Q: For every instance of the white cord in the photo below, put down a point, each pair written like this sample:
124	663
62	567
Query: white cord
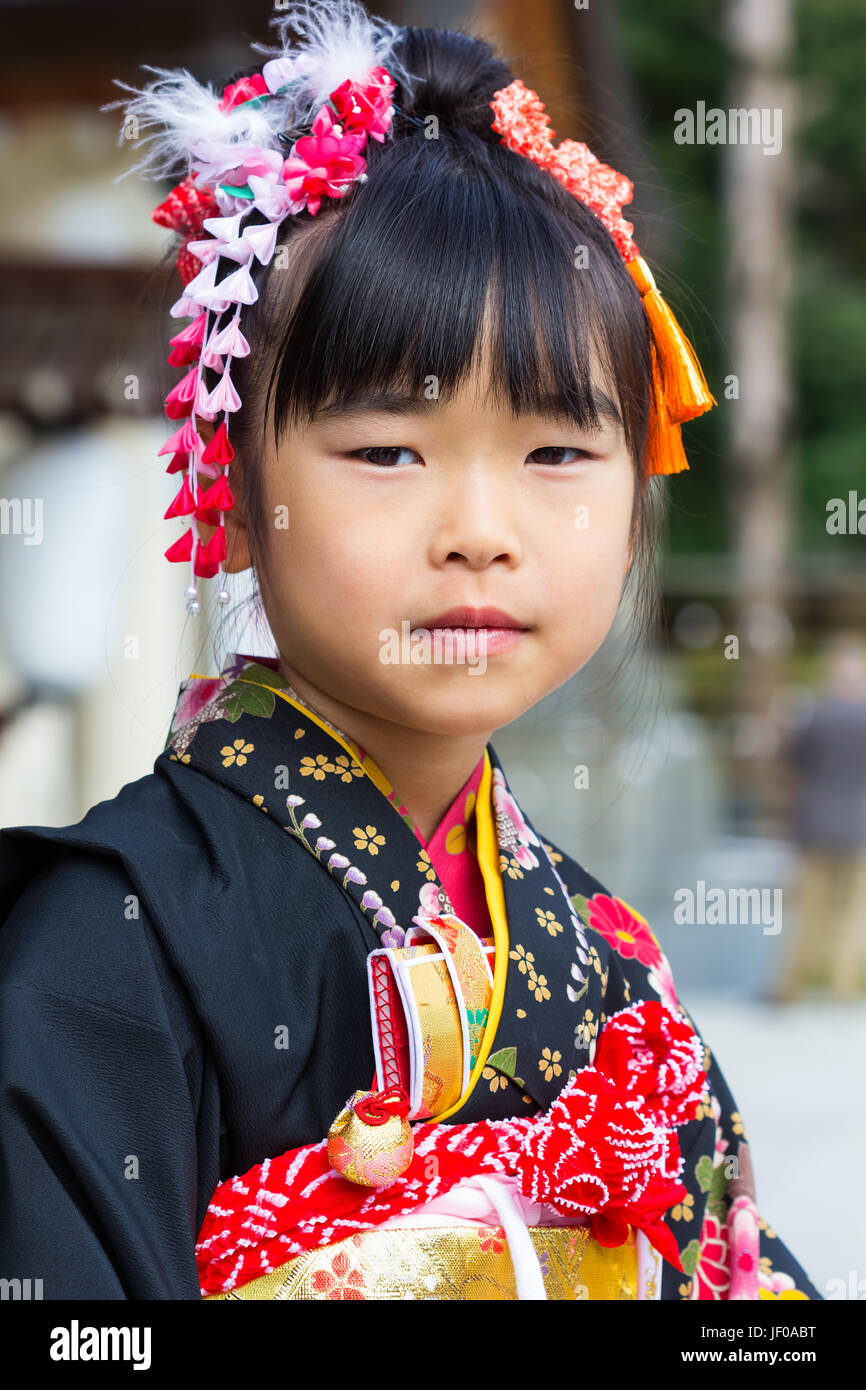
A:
527	1270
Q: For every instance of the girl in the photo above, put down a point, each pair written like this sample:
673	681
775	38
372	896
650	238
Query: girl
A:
313	1010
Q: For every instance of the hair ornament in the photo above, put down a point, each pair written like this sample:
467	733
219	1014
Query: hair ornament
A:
680	388
279	141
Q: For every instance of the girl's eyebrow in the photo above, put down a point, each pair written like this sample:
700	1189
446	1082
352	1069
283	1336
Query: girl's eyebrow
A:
362	404
380	403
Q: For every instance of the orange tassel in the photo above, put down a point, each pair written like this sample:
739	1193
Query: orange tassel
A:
686	389
664	445
681	390
665	453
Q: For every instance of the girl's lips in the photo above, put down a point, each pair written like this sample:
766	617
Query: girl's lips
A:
484	630
485	640
493	619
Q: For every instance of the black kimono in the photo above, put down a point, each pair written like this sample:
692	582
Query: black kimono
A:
150	955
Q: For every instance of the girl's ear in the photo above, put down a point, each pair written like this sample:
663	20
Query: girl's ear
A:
234	520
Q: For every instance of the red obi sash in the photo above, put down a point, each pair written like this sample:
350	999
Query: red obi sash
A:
606	1151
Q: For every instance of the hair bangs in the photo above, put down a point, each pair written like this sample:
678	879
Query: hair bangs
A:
444	263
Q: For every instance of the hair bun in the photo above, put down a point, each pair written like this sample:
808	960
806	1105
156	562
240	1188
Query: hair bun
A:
455	77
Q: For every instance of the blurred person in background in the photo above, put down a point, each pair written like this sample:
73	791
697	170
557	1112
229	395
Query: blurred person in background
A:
827	756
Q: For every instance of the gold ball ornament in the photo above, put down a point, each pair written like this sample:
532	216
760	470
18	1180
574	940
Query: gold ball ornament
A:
370	1142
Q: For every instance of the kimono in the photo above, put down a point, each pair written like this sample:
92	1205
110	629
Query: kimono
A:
260	1040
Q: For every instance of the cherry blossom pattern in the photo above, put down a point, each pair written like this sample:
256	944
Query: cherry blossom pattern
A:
517	840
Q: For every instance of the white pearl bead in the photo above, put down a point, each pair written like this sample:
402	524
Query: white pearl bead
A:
223	597
190	591
193	606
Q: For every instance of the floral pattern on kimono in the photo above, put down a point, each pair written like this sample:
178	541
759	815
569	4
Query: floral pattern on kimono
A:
734	1253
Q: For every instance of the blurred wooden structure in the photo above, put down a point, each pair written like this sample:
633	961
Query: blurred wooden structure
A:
758	211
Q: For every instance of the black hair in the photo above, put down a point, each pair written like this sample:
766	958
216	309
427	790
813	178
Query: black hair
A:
388	286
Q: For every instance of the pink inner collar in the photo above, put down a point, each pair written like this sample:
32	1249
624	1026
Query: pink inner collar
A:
453	853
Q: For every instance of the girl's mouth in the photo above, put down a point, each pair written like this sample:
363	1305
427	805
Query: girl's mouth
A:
485	630
480	639
492	619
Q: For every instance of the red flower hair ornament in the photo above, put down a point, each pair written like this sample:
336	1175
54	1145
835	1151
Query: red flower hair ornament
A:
336	82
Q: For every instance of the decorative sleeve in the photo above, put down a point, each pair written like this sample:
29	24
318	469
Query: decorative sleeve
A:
727	1249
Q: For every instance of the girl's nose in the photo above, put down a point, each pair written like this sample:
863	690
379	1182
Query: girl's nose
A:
477	536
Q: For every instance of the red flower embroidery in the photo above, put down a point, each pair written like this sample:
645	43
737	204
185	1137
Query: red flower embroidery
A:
343	1283
607	1146
712	1279
628	935
493	1240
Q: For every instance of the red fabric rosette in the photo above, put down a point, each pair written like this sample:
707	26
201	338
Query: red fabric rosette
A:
247	89
653	1053
184	211
365	106
607	1148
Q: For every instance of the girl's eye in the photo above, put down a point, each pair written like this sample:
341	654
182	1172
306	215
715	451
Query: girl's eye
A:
381	449
386	455
558	449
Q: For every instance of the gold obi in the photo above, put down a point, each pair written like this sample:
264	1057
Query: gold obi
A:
450	1262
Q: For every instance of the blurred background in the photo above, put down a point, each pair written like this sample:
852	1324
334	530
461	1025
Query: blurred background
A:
725	764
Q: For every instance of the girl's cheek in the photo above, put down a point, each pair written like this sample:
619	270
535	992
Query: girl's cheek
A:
590	539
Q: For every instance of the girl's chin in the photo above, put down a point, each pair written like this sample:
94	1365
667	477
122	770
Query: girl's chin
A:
462	708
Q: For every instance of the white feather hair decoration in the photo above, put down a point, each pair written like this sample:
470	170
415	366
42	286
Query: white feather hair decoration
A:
339	40
182	113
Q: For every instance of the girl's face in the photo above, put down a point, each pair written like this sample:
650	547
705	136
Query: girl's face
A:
379	522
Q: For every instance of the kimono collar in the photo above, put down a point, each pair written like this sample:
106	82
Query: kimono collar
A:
451	847
244	730
197	695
